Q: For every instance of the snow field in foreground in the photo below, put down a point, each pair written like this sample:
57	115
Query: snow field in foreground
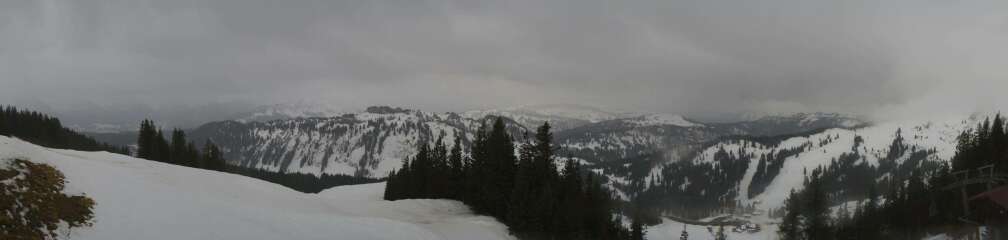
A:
141	199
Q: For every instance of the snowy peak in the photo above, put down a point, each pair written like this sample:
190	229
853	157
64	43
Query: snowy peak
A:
663	119
288	111
303	110
587	113
560	116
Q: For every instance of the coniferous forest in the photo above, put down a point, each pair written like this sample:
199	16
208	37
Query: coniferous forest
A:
47	131
929	200
152	145
526	192
306	183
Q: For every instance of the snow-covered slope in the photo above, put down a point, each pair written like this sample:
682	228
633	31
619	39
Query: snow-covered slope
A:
140	199
871	144
936	134
369	143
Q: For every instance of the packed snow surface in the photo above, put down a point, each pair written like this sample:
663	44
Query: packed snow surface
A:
140	199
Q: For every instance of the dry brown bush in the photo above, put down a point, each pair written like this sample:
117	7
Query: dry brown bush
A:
32	202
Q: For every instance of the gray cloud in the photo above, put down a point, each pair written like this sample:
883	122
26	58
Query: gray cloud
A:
702	58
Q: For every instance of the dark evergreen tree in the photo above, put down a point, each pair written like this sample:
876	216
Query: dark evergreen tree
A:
526	192
152	145
456	169
212	157
145	140
162	151
520	215
637	228
790	227
178	149
816	212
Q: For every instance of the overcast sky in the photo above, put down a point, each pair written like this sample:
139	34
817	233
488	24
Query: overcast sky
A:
701	58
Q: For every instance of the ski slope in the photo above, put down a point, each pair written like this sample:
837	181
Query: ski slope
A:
140	199
938	134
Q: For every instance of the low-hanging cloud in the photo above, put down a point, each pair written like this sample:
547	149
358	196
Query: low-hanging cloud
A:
702	58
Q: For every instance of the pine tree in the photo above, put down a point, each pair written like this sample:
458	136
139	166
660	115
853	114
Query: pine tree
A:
455	161
790	227
520	211
213	157
499	169
637	229
145	140
178	152
543	154
816	211
456	171
193	154
162	152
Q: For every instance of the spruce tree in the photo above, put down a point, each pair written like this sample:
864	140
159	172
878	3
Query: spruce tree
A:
456	171
213	157
637	230
519	213
499	169
145	140
816	211
790	227
162	152
178	150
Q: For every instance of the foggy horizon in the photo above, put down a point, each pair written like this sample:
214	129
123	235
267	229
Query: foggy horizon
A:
703	59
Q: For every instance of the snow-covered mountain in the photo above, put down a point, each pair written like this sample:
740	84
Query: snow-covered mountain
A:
560	116
677	136
141	199
369	143
894	149
374	141
288	111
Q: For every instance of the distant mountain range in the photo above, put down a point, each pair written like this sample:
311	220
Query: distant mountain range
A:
634	151
313	139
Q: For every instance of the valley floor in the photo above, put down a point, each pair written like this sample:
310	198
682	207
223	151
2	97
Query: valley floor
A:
140	199
670	229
